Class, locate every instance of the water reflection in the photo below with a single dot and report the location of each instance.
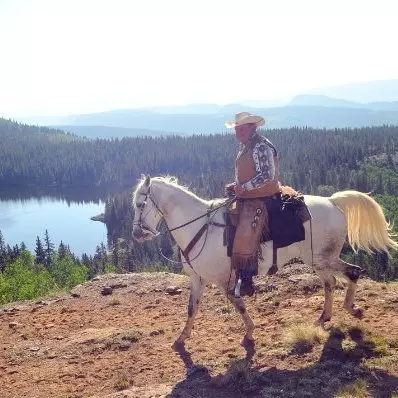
(68, 194)
(65, 213)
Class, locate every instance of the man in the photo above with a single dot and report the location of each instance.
(256, 178)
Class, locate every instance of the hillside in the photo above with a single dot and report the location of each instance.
(86, 344)
(314, 113)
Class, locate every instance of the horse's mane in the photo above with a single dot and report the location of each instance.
(168, 180)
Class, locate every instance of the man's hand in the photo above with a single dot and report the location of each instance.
(239, 190)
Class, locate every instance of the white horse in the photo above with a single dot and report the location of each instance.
(349, 214)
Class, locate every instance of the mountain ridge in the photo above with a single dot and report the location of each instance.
(317, 108)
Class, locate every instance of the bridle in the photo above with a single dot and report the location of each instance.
(205, 227)
(141, 218)
(147, 195)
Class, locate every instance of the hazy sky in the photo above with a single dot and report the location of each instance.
(74, 56)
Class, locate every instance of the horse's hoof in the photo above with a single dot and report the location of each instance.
(321, 321)
(358, 313)
(178, 345)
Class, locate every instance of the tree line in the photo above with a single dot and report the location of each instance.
(25, 275)
(313, 161)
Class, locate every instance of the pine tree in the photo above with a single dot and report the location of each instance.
(40, 253)
(3, 253)
(63, 250)
(23, 247)
(48, 250)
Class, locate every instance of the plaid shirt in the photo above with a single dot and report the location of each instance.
(263, 157)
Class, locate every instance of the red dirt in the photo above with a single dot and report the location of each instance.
(120, 345)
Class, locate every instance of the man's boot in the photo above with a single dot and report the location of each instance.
(247, 287)
(244, 285)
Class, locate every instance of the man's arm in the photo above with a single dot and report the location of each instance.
(263, 156)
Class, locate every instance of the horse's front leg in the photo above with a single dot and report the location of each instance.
(197, 286)
(240, 306)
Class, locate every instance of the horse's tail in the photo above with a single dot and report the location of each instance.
(367, 227)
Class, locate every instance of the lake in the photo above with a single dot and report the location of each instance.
(22, 220)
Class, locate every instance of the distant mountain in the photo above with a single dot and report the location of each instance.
(382, 106)
(265, 103)
(114, 124)
(373, 91)
(322, 100)
(351, 105)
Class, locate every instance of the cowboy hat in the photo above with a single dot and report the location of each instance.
(245, 118)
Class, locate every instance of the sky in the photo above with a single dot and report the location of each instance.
(62, 57)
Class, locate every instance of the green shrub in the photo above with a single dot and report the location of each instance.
(67, 273)
(24, 280)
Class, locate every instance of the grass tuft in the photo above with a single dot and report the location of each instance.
(302, 338)
(359, 389)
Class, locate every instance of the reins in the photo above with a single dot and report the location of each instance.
(196, 238)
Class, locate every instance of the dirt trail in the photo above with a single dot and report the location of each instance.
(88, 344)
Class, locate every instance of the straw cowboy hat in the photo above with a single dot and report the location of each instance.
(245, 118)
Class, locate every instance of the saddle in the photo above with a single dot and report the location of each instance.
(249, 223)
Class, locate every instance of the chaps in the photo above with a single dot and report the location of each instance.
(253, 224)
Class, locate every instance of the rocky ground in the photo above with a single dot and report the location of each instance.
(117, 342)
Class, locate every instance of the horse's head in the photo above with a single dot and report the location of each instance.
(147, 214)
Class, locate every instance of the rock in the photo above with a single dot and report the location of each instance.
(106, 291)
(156, 332)
(41, 302)
(14, 325)
(118, 285)
(51, 356)
(75, 295)
(34, 349)
(59, 300)
(172, 290)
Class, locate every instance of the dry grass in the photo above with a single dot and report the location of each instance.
(240, 376)
(114, 301)
(122, 340)
(358, 389)
(302, 338)
(122, 382)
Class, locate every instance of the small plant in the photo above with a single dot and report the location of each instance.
(358, 389)
(381, 345)
(114, 301)
(302, 338)
(241, 375)
(122, 383)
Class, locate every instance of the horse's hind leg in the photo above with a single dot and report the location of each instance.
(351, 273)
(197, 287)
(329, 283)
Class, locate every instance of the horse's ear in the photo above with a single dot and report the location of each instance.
(147, 181)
